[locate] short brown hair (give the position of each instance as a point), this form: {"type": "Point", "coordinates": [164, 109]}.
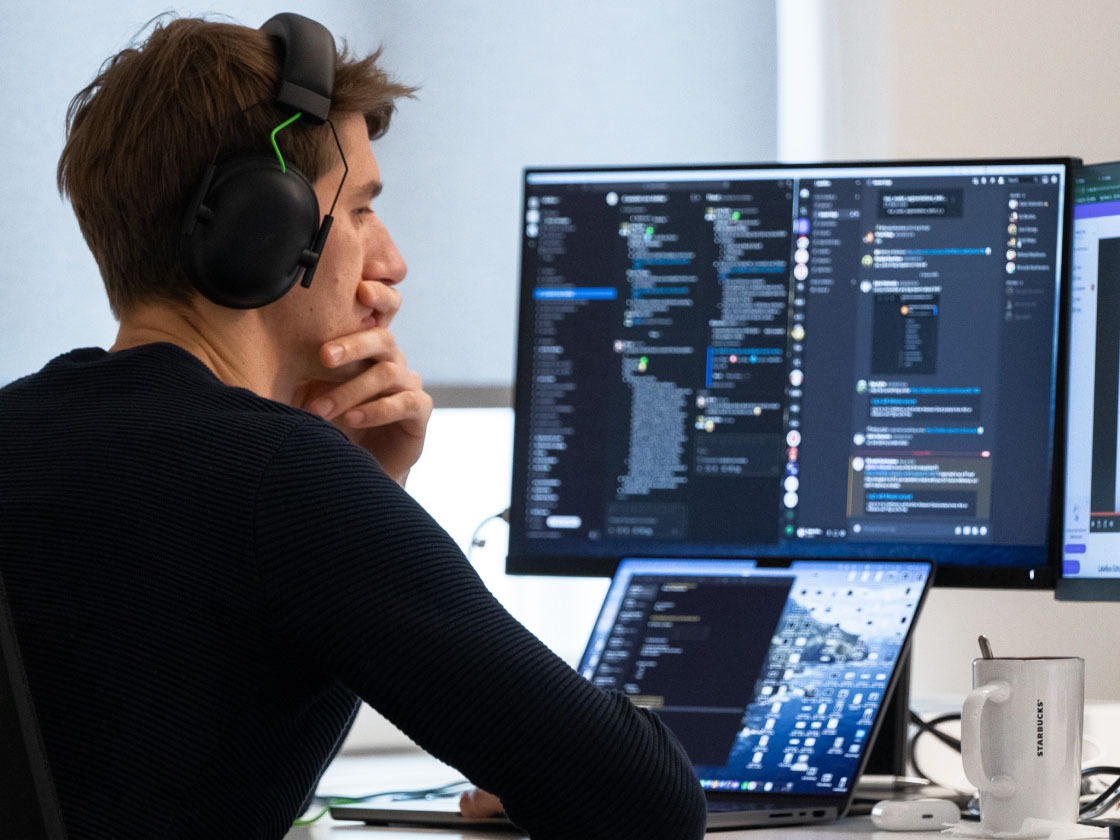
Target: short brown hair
{"type": "Point", "coordinates": [140, 136]}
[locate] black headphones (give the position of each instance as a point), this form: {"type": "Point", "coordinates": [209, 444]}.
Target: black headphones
{"type": "Point", "coordinates": [253, 224]}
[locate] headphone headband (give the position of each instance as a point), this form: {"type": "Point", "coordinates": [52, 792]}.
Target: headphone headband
{"type": "Point", "coordinates": [306, 65]}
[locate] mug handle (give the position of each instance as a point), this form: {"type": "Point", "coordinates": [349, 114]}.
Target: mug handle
{"type": "Point", "coordinates": [972, 725]}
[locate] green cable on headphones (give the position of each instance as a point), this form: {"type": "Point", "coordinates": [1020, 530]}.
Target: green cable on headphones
{"type": "Point", "coordinates": [275, 131]}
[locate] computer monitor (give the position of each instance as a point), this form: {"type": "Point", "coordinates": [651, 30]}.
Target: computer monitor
{"type": "Point", "coordinates": [842, 359]}
{"type": "Point", "coordinates": [1091, 513]}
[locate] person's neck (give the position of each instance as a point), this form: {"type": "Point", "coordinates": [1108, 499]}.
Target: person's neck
{"type": "Point", "coordinates": [230, 343]}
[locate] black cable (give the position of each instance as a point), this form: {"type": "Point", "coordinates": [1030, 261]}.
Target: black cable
{"type": "Point", "coordinates": [479, 543]}
{"type": "Point", "coordinates": [929, 727]}
{"type": "Point", "coordinates": [1106, 797]}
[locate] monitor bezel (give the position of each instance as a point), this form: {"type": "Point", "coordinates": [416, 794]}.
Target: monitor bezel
{"type": "Point", "coordinates": [1040, 575]}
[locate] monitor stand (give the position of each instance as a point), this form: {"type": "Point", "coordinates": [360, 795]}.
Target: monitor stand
{"type": "Point", "coordinates": [889, 753]}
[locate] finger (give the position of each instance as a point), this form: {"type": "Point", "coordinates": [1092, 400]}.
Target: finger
{"type": "Point", "coordinates": [410, 409]}
{"type": "Point", "coordinates": [479, 803]}
{"type": "Point", "coordinates": [375, 345]}
{"type": "Point", "coordinates": [374, 383]}
{"type": "Point", "coordinates": [381, 298]}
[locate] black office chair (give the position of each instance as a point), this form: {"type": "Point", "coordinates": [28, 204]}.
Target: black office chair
{"type": "Point", "coordinates": [28, 803]}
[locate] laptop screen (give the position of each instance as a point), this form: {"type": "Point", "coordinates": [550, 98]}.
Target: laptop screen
{"type": "Point", "coordinates": [771, 676]}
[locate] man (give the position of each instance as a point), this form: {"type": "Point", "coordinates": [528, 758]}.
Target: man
{"type": "Point", "coordinates": [203, 531]}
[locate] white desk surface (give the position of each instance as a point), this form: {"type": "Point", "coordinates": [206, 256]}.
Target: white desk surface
{"type": "Point", "coordinates": [843, 830]}
{"type": "Point", "coordinates": [359, 775]}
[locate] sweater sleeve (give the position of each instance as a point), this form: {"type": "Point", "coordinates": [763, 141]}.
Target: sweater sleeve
{"type": "Point", "coordinates": [369, 589]}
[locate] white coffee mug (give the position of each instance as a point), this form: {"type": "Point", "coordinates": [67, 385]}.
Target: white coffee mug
{"type": "Point", "coordinates": [1021, 733]}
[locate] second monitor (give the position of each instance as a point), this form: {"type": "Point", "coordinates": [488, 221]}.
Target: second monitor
{"type": "Point", "coordinates": [834, 360]}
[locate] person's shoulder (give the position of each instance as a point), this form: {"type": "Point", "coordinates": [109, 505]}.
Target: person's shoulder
{"type": "Point", "coordinates": [52, 369]}
{"type": "Point", "coordinates": [170, 386]}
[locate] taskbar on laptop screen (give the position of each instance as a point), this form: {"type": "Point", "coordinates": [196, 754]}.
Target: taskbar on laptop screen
{"type": "Point", "coordinates": [1091, 512]}
{"type": "Point", "coordinates": [787, 360]}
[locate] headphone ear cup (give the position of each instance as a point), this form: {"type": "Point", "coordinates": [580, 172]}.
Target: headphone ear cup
{"type": "Point", "coordinates": [247, 235]}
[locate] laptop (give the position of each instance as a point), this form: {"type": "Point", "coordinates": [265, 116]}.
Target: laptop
{"type": "Point", "coordinates": [772, 675]}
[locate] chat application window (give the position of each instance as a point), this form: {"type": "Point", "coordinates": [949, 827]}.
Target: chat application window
{"type": "Point", "coordinates": [901, 270]}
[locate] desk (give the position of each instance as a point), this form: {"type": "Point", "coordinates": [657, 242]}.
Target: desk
{"type": "Point", "coordinates": [845, 829]}
{"type": "Point", "coordinates": [358, 775]}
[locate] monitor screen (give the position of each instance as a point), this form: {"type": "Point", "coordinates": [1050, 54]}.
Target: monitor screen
{"type": "Point", "coordinates": [791, 360]}
{"type": "Point", "coordinates": [1091, 514]}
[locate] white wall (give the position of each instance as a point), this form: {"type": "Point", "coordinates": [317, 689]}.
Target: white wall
{"type": "Point", "coordinates": [1007, 77]}
{"type": "Point", "coordinates": [957, 78]}
{"type": "Point", "coordinates": [504, 84]}
{"type": "Point", "coordinates": [960, 78]}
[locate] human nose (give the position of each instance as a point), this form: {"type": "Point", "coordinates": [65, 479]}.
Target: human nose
{"type": "Point", "coordinates": [384, 263]}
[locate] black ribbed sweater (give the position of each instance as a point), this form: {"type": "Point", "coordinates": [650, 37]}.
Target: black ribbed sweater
{"type": "Point", "coordinates": [204, 582]}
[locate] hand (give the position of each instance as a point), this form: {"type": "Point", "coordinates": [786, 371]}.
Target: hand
{"type": "Point", "coordinates": [380, 404]}
{"type": "Point", "coordinates": [476, 802]}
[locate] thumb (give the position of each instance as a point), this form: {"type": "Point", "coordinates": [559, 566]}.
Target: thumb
{"type": "Point", "coordinates": [478, 803]}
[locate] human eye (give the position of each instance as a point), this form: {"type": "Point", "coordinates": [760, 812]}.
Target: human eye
{"type": "Point", "coordinates": [364, 201]}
